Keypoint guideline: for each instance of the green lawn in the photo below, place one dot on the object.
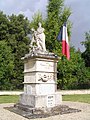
(77, 98)
(9, 99)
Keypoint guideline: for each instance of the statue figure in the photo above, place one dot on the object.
(41, 38)
(38, 39)
(33, 43)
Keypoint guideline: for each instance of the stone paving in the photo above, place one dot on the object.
(83, 115)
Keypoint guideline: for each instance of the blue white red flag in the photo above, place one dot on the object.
(63, 36)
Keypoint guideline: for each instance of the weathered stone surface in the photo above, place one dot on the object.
(39, 101)
(32, 113)
(40, 75)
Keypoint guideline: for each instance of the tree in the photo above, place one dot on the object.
(3, 26)
(19, 42)
(72, 74)
(15, 44)
(13, 31)
(86, 53)
(6, 66)
(35, 20)
(57, 14)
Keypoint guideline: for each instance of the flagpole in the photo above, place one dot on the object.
(63, 37)
(63, 73)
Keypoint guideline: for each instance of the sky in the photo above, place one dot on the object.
(80, 16)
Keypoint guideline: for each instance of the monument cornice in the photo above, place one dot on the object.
(40, 72)
(48, 57)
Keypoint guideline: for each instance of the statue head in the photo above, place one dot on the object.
(33, 29)
(40, 29)
(39, 24)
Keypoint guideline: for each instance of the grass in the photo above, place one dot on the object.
(77, 98)
(9, 99)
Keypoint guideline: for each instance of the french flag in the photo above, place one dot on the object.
(63, 36)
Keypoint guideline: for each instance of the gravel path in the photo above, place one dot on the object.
(83, 115)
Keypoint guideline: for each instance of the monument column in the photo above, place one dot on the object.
(40, 75)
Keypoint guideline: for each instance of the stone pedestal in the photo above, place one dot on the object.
(40, 88)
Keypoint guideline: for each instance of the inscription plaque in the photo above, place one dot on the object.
(50, 101)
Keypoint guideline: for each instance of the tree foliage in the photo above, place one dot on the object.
(13, 31)
(57, 14)
(73, 74)
(36, 19)
(6, 66)
(86, 54)
(3, 26)
(17, 39)
(14, 44)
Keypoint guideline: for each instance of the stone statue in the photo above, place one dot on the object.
(38, 40)
(33, 43)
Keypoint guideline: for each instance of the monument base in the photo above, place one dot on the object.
(32, 113)
(41, 101)
(40, 86)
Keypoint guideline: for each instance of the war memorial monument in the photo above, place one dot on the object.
(40, 97)
(40, 74)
